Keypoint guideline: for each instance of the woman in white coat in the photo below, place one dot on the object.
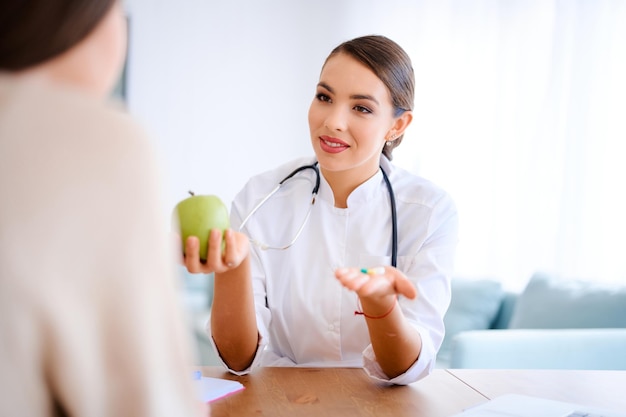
(367, 280)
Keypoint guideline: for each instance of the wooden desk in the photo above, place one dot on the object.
(339, 392)
(348, 392)
(603, 389)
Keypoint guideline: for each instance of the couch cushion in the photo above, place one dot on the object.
(474, 306)
(550, 302)
(540, 349)
(507, 307)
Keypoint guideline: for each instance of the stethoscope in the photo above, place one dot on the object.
(392, 200)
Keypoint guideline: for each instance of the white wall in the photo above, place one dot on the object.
(224, 86)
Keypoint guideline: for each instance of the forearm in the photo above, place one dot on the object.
(397, 344)
(233, 319)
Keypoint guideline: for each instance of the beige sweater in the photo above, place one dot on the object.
(90, 317)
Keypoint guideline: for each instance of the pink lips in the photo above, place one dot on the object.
(332, 145)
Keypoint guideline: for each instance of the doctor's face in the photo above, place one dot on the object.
(350, 117)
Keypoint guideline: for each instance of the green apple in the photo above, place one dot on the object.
(198, 215)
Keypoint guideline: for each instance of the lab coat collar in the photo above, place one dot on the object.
(364, 193)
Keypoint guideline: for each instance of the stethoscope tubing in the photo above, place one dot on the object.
(394, 220)
(392, 201)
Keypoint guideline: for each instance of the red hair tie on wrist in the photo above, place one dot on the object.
(382, 316)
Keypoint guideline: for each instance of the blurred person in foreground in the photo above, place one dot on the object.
(90, 319)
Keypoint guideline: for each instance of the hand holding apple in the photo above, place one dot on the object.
(197, 216)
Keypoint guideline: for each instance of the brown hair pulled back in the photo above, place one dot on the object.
(392, 66)
(33, 31)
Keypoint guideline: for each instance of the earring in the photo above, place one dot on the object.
(389, 143)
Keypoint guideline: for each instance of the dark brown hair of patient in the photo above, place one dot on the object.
(33, 31)
(391, 64)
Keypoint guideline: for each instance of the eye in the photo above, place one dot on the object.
(362, 109)
(322, 97)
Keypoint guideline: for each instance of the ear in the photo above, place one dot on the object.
(400, 124)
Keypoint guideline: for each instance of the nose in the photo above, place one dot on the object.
(336, 119)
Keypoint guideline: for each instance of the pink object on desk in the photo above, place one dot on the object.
(210, 389)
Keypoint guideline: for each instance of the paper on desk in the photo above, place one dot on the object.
(210, 389)
(515, 405)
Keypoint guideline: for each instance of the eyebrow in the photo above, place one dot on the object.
(353, 96)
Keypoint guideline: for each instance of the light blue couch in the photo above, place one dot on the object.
(552, 324)
(197, 299)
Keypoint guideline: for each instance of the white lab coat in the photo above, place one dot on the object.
(304, 315)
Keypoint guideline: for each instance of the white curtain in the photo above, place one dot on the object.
(521, 116)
